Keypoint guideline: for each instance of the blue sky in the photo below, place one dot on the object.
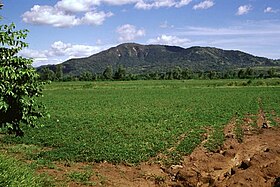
(63, 29)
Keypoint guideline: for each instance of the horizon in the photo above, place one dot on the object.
(65, 29)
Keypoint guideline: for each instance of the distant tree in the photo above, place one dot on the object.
(226, 75)
(212, 75)
(59, 71)
(120, 73)
(108, 73)
(132, 77)
(177, 73)
(271, 72)
(169, 75)
(153, 76)
(235, 74)
(241, 74)
(95, 77)
(261, 75)
(231, 74)
(249, 73)
(86, 76)
(19, 83)
(187, 74)
(47, 74)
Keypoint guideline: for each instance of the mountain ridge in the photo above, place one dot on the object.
(138, 59)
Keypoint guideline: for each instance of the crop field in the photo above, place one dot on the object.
(131, 122)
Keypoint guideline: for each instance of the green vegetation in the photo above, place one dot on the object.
(19, 83)
(14, 173)
(135, 120)
(157, 59)
(176, 73)
(82, 177)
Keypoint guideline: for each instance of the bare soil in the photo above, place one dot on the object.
(254, 161)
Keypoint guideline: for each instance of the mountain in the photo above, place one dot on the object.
(138, 58)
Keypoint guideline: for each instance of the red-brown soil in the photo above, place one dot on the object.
(253, 162)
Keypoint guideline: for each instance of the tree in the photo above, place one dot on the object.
(59, 72)
(177, 72)
(47, 74)
(241, 74)
(19, 83)
(120, 73)
(86, 76)
(249, 73)
(187, 74)
(212, 75)
(271, 72)
(108, 73)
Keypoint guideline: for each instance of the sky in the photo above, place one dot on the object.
(64, 29)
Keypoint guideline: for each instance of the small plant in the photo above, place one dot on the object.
(16, 173)
(191, 141)
(239, 133)
(80, 176)
(215, 141)
(42, 163)
(173, 158)
(26, 151)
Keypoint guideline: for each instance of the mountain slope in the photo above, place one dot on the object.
(138, 58)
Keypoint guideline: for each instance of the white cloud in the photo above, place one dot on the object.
(59, 52)
(182, 3)
(169, 40)
(129, 32)
(39, 57)
(60, 48)
(88, 5)
(95, 18)
(29, 53)
(120, 2)
(67, 13)
(245, 9)
(204, 5)
(146, 5)
(77, 5)
(49, 16)
(270, 10)
(58, 16)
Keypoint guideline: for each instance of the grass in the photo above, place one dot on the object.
(82, 177)
(134, 121)
(14, 173)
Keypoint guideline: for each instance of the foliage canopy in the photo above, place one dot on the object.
(19, 83)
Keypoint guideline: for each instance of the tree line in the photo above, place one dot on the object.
(176, 73)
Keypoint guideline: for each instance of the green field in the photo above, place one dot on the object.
(135, 120)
